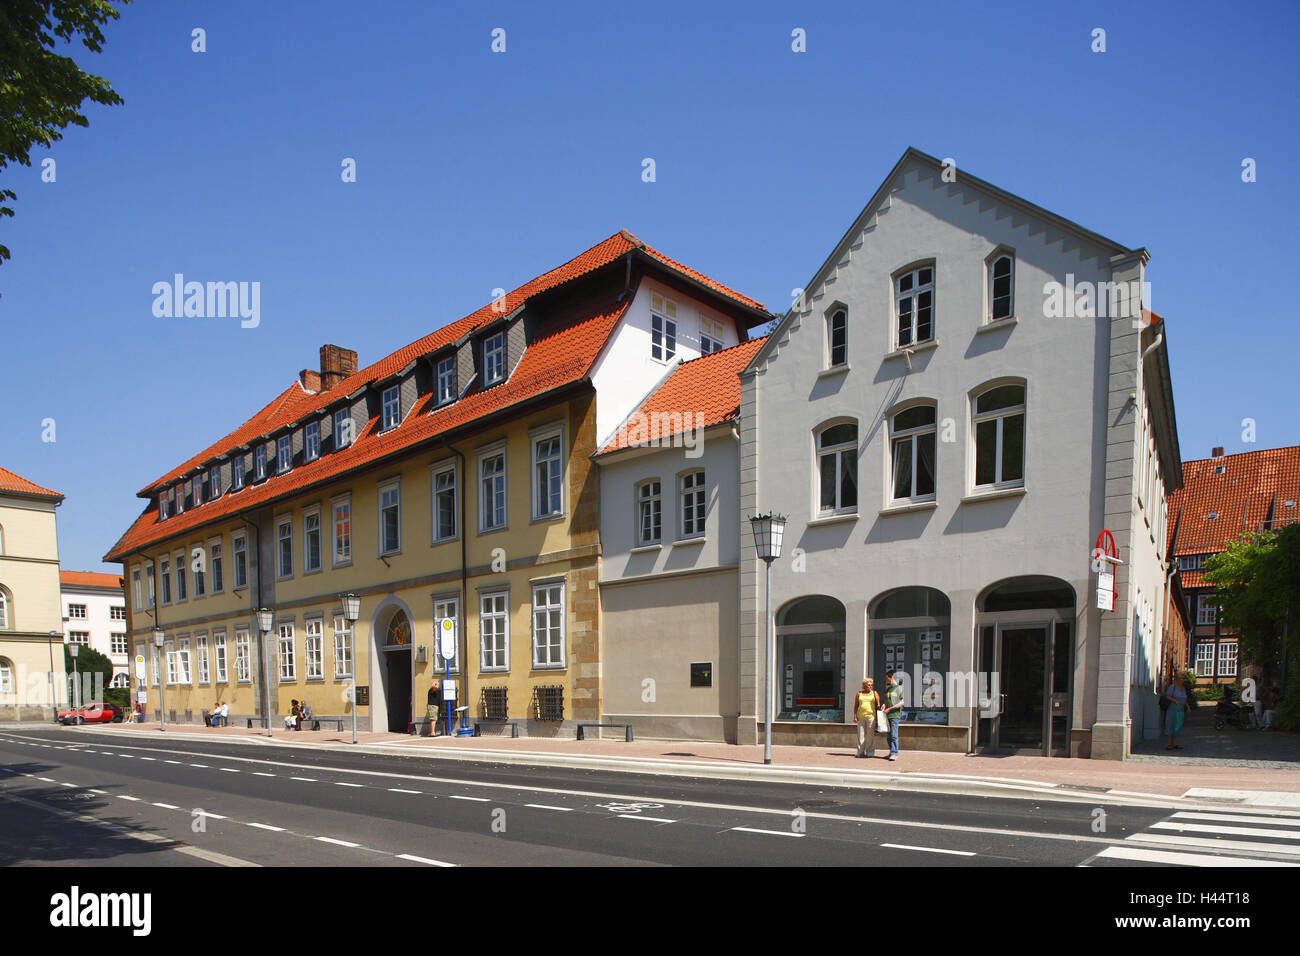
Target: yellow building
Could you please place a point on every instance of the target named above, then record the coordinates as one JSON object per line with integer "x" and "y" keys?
{"x": 31, "y": 623}
{"x": 450, "y": 479}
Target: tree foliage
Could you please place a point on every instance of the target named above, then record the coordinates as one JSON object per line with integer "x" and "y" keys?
{"x": 89, "y": 661}
{"x": 41, "y": 91}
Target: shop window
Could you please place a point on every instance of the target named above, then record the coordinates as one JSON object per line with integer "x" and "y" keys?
{"x": 810, "y": 660}
{"x": 911, "y": 634}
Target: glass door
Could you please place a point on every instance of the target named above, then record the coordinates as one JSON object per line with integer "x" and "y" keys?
{"x": 1024, "y": 668}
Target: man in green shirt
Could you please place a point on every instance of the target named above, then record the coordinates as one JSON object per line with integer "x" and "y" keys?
{"x": 893, "y": 710}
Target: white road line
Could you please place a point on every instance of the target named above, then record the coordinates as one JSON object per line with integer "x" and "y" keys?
{"x": 400, "y": 790}
{"x": 1229, "y": 831}
{"x": 201, "y": 766}
{"x": 339, "y": 783}
{"x": 927, "y": 849}
{"x": 148, "y": 758}
{"x": 1182, "y": 859}
{"x": 769, "y": 832}
{"x": 46, "y": 779}
{"x": 127, "y": 756}
{"x": 456, "y": 796}
{"x": 72, "y": 785}
{"x": 543, "y": 806}
{"x": 210, "y": 816}
{"x": 213, "y": 856}
{"x": 1161, "y": 839}
{"x": 267, "y": 826}
{"x": 1235, "y": 818}
{"x": 166, "y": 806}
{"x": 177, "y": 762}
{"x": 420, "y": 859}
{"x": 228, "y": 770}
{"x": 100, "y": 792}
{"x": 336, "y": 842}
{"x": 304, "y": 779}
{"x": 637, "y": 816}
{"x": 258, "y": 773}
{"x": 123, "y": 796}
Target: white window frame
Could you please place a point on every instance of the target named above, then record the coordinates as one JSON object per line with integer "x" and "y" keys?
{"x": 699, "y": 491}
{"x": 446, "y": 607}
{"x": 481, "y": 484}
{"x": 494, "y": 358}
{"x": 169, "y": 651}
{"x": 343, "y": 501}
{"x": 116, "y": 613}
{"x": 548, "y": 656}
{"x": 989, "y": 298}
{"x": 183, "y": 660}
{"x": 214, "y": 482}
{"x": 445, "y": 380}
{"x": 1207, "y": 611}
{"x": 201, "y": 662}
{"x": 712, "y": 335}
{"x": 259, "y": 462}
{"x": 502, "y": 617}
{"x": 238, "y": 549}
{"x": 307, "y": 515}
{"x": 392, "y": 485}
{"x": 150, "y": 585}
{"x": 4, "y": 610}
{"x": 6, "y": 676}
{"x": 216, "y": 560}
{"x": 833, "y": 313}
{"x": 649, "y": 504}
{"x": 118, "y": 643}
{"x": 836, "y": 453}
{"x": 917, "y": 289}
{"x": 535, "y": 438}
{"x": 1204, "y": 661}
{"x": 237, "y": 472}
{"x": 311, "y": 441}
{"x": 437, "y": 533}
{"x": 1000, "y": 416}
{"x": 284, "y": 454}
{"x": 342, "y": 647}
{"x": 77, "y": 612}
{"x": 137, "y": 589}
{"x": 280, "y": 539}
{"x": 913, "y": 436}
{"x": 313, "y": 647}
{"x": 343, "y": 428}
{"x": 1227, "y": 658}
{"x": 243, "y": 656}
{"x": 165, "y": 573}
{"x": 198, "y": 579}
{"x": 285, "y": 649}
{"x": 390, "y": 407}
{"x": 219, "y": 659}
{"x": 663, "y": 328}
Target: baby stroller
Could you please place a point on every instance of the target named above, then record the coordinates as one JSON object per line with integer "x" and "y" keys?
{"x": 1228, "y": 711}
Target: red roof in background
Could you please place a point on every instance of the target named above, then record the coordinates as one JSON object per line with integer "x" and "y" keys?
{"x": 90, "y": 579}
{"x": 707, "y": 386}
{"x": 1251, "y": 483}
{"x": 12, "y": 482}
{"x": 564, "y": 354}
{"x": 294, "y": 403}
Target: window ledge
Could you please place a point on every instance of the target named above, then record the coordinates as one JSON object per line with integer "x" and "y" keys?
{"x": 910, "y": 507}
{"x": 832, "y": 519}
{"x": 689, "y": 542}
{"x": 915, "y": 349}
{"x": 834, "y": 370}
{"x": 996, "y": 324}
{"x": 995, "y": 493}
{"x": 545, "y": 519}
{"x": 645, "y": 548}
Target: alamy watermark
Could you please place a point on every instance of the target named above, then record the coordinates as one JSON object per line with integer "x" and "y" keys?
{"x": 211, "y": 300}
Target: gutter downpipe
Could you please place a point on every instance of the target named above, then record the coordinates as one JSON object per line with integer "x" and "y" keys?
{"x": 261, "y": 641}
{"x": 464, "y": 578}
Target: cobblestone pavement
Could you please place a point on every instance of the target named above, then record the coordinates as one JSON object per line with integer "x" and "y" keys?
{"x": 1230, "y": 747}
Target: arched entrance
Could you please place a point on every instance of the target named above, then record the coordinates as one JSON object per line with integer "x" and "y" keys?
{"x": 809, "y": 681}
{"x": 910, "y": 630}
{"x": 1025, "y": 654}
{"x": 395, "y": 670}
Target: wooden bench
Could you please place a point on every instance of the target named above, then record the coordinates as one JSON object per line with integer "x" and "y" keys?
{"x": 252, "y": 719}
{"x": 627, "y": 730}
{"x": 315, "y": 721}
{"x": 514, "y": 725}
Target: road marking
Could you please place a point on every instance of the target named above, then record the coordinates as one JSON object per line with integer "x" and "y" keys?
{"x": 400, "y": 790}
{"x": 637, "y": 816}
{"x": 336, "y": 842}
{"x": 107, "y": 754}
{"x": 123, "y": 796}
{"x": 1161, "y": 839}
{"x": 46, "y": 779}
{"x": 167, "y": 806}
{"x": 228, "y": 770}
{"x": 304, "y": 779}
{"x": 259, "y": 773}
{"x": 927, "y": 849}
{"x": 1269, "y": 821}
{"x": 456, "y": 796}
{"x": 201, "y": 766}
{"x": 211, "y": 816}
{"x": 1183, "y": 859}
{"x": 212, "y": 856}
{"x": 72, "y": 785}
{"x": 148, "y": 758}
{"x": 1230, "y": 831}
{"x": 127, "y": 756}
{"x": 267, "y": 826}
{"x": 543, "y": 806}
{"x": 420, "y": 859}
{"x": 172, "y": 761}
{"x": 769, "y": 832}
{"x": 339, "y": 783}
{"x": 100, "y": 792}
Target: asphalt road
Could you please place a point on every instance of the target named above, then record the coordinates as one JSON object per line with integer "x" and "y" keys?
{"x": 78, "y": 796}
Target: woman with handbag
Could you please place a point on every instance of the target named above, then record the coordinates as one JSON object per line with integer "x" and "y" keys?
{"x": 866, "y": 707}
{"x": 1176, "y": 710}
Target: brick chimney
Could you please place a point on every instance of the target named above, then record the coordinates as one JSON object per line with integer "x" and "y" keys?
{"x": 336, "y": 364}
{"x": 1216, "y": 452}
{"x": 310, "y": 380}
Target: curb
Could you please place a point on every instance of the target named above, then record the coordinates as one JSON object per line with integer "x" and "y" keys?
{"x": 858, "y": 779}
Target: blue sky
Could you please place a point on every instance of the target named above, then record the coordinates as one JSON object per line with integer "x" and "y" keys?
{"x": 478, "y": 170}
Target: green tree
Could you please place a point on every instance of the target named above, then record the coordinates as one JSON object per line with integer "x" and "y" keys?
{"x": 1257, "y": 585}
{"x": 41, "y": 91}
{"x": 90, "y": 661}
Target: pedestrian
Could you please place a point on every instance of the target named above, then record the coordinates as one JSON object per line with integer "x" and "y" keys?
{"x": 291, "y": 721}
{"x": 865, "y": 705}
{"x": 1176, "y": 694}
{"x": 1271, "y": 696}
{"x": 894, "y": 704}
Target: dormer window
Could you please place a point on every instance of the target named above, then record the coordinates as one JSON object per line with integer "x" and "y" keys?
{"x": 494, "y": 359}
{"x": 196, "y": 489}
{"x": 259, "y": 462}
{"x": 446, "y": 387}
{"x": 391, "y": 410}
{"x": 214, "y": 482}
{"x": 283, "y": 454}
{"x": 311, "y": 441}
{"x": 237, "y": 472}
{"x": 663, "y": 328}
{"x": 914, "y": 305}
{"x": 342, "y": 429}
{"x": 711, "y": 334}
{"x": 178, "y": 499}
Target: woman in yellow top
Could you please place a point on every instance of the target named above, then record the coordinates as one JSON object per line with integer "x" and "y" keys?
{"x": 865, "y": 705}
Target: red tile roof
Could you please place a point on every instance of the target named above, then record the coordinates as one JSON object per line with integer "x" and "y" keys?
{"x": 89, "y": 579}
{"x": 708, "y": 386}
{"x": 1252, "y": 482}
{"x": 11, "y": 482}
{"x": 569, "y": 344}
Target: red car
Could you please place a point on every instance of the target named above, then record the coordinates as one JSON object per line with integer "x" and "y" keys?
{"x": 100, "y": 712}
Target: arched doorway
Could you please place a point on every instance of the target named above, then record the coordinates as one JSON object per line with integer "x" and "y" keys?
{"x": 910, "y": 630}
{"x": 810, "y": 660}
{"x": 395, "y": 670}
{"x": 1025, "y": 654}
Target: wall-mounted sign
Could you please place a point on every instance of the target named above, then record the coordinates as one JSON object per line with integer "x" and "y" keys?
{"x": 363, "y": 695}
{"x": 702, "y": 674}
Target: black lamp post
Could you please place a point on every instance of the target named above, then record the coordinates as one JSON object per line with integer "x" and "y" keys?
{"x": 769, "y": 529}
{"x": 265, "y": 619}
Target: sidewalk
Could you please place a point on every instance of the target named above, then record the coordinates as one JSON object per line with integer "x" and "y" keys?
{"x": 1135, "y": 780}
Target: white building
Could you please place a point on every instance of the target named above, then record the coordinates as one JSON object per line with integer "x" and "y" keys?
{"x": 948, "y": 428}
{"x": 94, "y": 616}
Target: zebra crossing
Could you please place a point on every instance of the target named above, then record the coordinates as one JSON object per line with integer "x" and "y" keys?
{"x": 1211, "y": 838}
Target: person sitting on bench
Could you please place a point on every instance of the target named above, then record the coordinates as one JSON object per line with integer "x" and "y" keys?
{"x": 221, "y": 716}
{"x": 304, "y": 713}
{"x": 293, "y": 720}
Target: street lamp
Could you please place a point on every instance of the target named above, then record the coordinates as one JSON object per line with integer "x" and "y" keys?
{"x": 158, "y": 638}
{"x": 265, "y": 618}
{"x": 54, "y": 703}
{"x": 351, "y": 612}
{"x": 769, "y": 529}
{"x": 76, "y": 683}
